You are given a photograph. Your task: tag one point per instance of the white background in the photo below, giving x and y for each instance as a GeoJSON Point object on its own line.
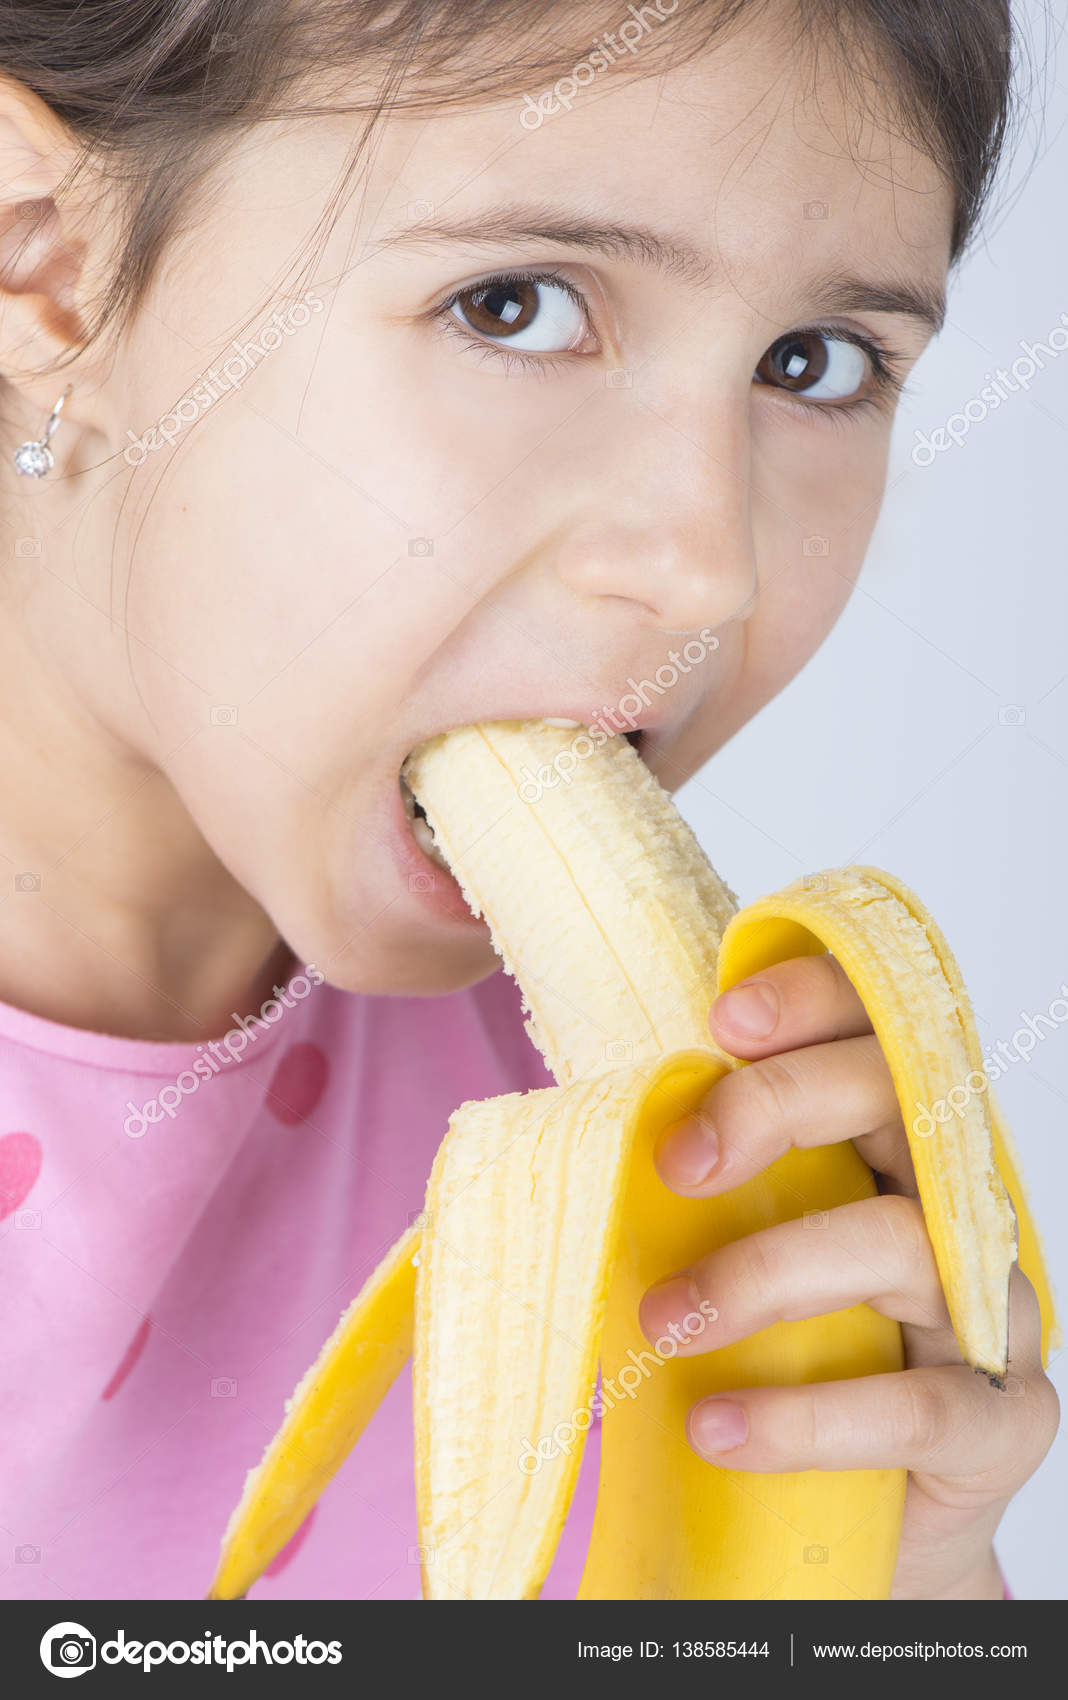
{"type": "Point", "coordinates": [889, 749]}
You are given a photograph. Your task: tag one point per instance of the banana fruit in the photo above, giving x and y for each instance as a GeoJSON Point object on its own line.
{"type": "Point", "coordinates": [545, 1219]}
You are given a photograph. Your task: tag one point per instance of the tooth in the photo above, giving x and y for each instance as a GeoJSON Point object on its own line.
{"type": "Point", "coordinates": [426, 841]}
{"type": "Point", "coordinates": [565, 725]}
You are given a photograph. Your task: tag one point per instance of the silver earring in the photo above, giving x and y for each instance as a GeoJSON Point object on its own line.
{"type": "Point", "coordinates": [35, 459]}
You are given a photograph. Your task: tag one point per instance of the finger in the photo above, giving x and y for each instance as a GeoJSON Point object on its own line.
{"type": "Point", "coordinates": [805, 1001]}
{"type": "Point", "coordinates": [820, 1095]}
{"type": "Point", "coordinates": [874, 1252]}
{"type": "Point", "coordinates": [947, 1423]}
{"type": "Point", "coordinates": [924, 1348]}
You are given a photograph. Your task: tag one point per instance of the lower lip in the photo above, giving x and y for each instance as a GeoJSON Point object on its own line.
{"type": "Point", "coordinates": [433, 887]}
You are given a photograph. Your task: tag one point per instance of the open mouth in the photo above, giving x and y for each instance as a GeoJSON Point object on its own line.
{"type": "Point", "coordinates": [423, 832]}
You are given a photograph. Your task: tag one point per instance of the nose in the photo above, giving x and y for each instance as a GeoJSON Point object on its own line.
{"type": "Point", "coordinates": [666, 517]}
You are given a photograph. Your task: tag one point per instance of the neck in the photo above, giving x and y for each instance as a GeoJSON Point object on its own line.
{"type": "Point", "coordinates": [115, 914]}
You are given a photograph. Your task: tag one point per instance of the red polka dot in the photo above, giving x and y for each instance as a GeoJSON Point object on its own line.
{"type": "Point", "coordinates": [20, 1164]}
{"type": "Point", "coordinates": [292, 1546]}
{"type": "Point", "coordinates": [129, 1358]}
{"type": "Point", "coordinates": [298, 1083]}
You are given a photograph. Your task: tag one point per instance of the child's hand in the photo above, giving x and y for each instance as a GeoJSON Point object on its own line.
{"type": "Point", "coordinates": [968, 1447]}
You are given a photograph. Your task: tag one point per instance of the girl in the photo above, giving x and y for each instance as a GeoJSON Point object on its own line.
{"type": "Point", "coordinates": [372, 369]}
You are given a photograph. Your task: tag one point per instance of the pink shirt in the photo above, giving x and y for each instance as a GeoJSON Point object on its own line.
{"type": "Point", "coordinates": [180, 1229]}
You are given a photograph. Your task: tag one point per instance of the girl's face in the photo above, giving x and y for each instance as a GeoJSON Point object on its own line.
{"type": "Point", "coordinates": [564, 395]}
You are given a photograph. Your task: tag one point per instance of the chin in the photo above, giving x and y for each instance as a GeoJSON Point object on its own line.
{"type": "Point", "coordinates": [428, 971]}
{"type": "Point", "coordinates": [398, 960]}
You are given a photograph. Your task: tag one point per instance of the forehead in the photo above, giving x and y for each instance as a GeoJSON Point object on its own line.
{"type": "Point", "coordinates": [759, 152]}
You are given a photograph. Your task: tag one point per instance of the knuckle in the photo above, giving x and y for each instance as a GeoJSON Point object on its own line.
{"type": "Point", "coordinates": [734, 1106]}
{"type": "Point", "coordinates": [1042, 1408]}
{"type": "Point", "coordinates": [831, 990]}
{"type": "Point", "coordinates": [901, 1221]}
{"type": "Point", "coordinates": [773, 1091]}
{"type": "Point", "coordinates": [828, 972]}
{"type": "Point", "coordinates": [760, 1276]}
{"type": "Point", "coordinates": [921, 1413]}
{"type": "Point", "coordinates": [792, 1429]}
{"type": "Point", "coordinates": [877, 1071]}
{"type": "Point", "coordinates": [1027, 1431]}
{"type": "Point", "coordinates": [809, 1424]}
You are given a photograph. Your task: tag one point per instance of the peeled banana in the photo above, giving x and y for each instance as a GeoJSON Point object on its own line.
{"type": "Point", "coordinates": [545, 1218]}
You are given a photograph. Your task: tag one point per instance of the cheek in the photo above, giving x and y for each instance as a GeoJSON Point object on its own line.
{"type": "Point", "coordinates": [796, 612]}
{"type": "Point", "coordinates": [255, 582]}
{"type": "Point", "coordinates": [445, 442]}
{"type": "Point", "coordinates": [817, 490]}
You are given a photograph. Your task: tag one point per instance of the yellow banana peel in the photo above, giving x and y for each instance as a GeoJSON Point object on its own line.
{"type": "Point", "coordinates": [546, 1221]}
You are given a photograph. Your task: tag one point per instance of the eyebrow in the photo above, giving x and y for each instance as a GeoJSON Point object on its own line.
{"type": "Point", "coordinates": [844, 292]}
{"type": "Point", "coordinates": [834, 292]}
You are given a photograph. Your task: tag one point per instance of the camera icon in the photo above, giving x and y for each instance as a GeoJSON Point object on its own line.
{"type": "Point", "coordinates": [618, 380]}
{"type": "Point", "coordinates": [815, 546]}
{"type": "Point", "coordinates": [27, 1555]}
{"type": "Point", "coordinates": [815, 1219]}
{"type": "Point", "coordinates": [1012, 714]}
{"type": "Point", "coordinates": [27, 882]}
{"type": "Point", "coordinates": [817, 209]}
{"type": "Point", "coordinates": [420, 1555]}
{"type": "Point", "coordinates": [1013, 1388]}
{"type": "Point", "coordinates": [26, 546]}
{"type": "Point", "coordinates": [816, 882]}
{"type": "Point", "coordinates": [420, 1218]}
{"type": "Point", "coordinates": [27, 1218]}
{"type": "Point", "coordinates": [223, 42]}
{"type": "Point", "coordinates": [223, 714]}
{"type": "Point", "coordinates": [421, 546]}
{"type": "Point", "coordinates": [420, 209]}
{"type": "Point", "coordinates": [420, 882]}
{"type": "Point", "coordinates": [223, 1387]}
{"type": "Point", "coordinates": [815, 1555]}
{"type": "Point", "coordinates": [68, 1649]}
{"type": "Point", "coordinates": [618, 1050]}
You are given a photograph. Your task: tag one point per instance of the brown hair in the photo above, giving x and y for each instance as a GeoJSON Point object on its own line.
{"type": "Point", "coordinates": [151, 88]}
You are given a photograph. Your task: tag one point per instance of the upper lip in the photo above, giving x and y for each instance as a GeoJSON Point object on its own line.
{"type": "Point", "coordinates": [651, 722]}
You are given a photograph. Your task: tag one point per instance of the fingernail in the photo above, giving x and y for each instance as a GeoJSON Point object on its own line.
{"type": "Point", "coordinates": [667, 1304]}
{"type": "Point", "coordinates": [717, 1425]}
{"type": "Point", "coordinates": [752, 1011]}
{"type": "Point", "coordinates": [689, 1153]}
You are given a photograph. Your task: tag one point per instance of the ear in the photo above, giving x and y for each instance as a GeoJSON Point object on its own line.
{"type": "Point", "coordinates": [42, 252]}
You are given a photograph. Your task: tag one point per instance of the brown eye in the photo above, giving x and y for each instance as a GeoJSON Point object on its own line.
{"type": "Point", "coordinates": [532, 313]}
{"type": "Point", "coordinates": [817, 366]}
{"type": "Point", "coordinates": [502, 309]}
